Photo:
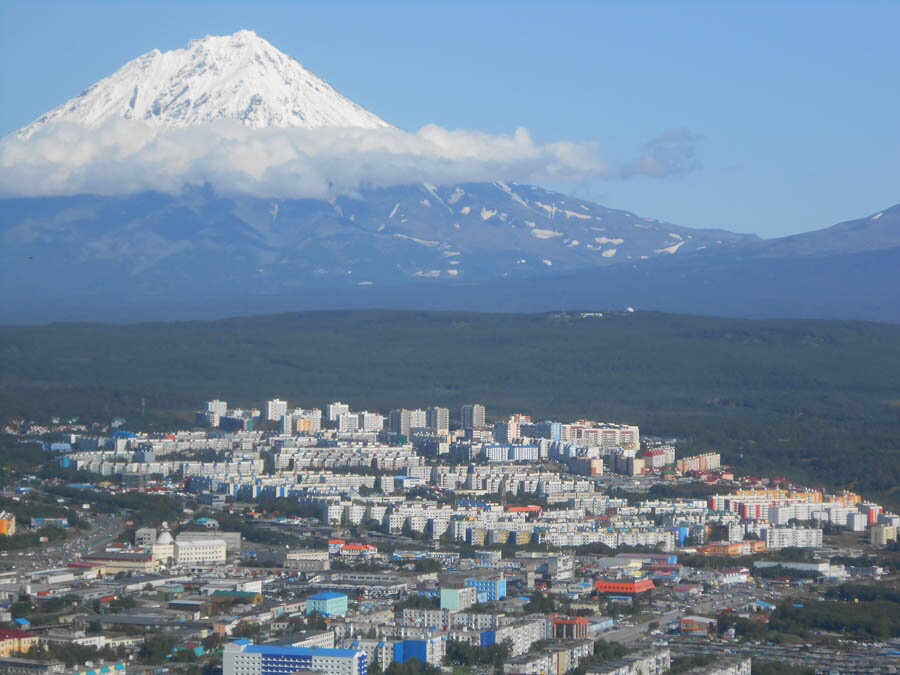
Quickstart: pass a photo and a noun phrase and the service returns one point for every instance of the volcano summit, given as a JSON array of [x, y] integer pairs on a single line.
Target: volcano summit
[[239, 77]]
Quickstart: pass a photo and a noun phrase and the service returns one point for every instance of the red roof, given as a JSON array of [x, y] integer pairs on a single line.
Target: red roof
[[13, 634]]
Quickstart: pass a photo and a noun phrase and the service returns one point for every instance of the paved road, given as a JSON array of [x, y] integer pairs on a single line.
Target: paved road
[[61, 553]]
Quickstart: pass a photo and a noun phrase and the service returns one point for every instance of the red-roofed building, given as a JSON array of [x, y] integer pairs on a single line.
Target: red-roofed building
[[358, 551], [80, 565], [13, 641], [687, 590], [630, 587]]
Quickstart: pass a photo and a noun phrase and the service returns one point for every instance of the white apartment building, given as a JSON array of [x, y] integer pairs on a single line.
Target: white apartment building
[[200, 552], [335, 410], [276, 409], [793, 537], [369, 421], [217, 407], [242, 657], [232, 539], [522, 634], [348, 422]]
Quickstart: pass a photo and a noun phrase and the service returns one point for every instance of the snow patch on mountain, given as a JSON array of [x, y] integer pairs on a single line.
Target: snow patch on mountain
[[423, 242], [539, 233], [458, 194], [549, 208], [670, 249]]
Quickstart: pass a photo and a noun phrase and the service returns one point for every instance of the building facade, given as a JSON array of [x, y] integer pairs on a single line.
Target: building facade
[[242, 657]]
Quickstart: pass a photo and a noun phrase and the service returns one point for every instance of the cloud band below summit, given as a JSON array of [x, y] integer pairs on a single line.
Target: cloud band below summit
[[124, 157]]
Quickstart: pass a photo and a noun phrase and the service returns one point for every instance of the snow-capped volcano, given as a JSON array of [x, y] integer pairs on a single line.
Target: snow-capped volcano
[[240, 77]]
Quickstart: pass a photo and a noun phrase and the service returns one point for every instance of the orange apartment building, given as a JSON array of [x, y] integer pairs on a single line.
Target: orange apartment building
[[623, 586], [7, 524]]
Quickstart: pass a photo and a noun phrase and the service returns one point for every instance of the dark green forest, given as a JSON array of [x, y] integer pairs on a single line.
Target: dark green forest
[[818, 401]]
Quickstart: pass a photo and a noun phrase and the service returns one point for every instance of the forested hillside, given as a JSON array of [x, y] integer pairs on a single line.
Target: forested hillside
[[816, 400]]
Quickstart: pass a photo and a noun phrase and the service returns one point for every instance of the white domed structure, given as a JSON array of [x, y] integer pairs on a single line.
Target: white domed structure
[[165, 538]]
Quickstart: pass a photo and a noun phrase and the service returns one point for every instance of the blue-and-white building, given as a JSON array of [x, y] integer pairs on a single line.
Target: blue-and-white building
[[242, 657], [490, 589]]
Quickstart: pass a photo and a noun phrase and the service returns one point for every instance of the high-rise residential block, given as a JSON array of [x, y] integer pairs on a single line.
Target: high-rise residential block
[[437, 419], [472, 416], [218, 407], [276, 409], [335, 410]]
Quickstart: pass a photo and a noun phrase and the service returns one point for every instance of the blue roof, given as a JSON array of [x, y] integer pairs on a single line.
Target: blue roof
[[327, 595], [300, 651]]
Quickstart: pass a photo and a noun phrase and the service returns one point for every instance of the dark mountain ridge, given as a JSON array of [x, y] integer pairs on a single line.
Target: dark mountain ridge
[[486, 246]]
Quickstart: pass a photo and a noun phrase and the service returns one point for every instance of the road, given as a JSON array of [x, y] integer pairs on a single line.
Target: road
[[61, 553]]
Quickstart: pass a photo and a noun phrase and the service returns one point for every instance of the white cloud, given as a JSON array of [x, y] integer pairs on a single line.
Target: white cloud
[[124, 156]]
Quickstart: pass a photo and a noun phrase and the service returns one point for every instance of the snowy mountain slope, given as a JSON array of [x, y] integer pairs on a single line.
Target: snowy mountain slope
[[468, 232], [241, 77]]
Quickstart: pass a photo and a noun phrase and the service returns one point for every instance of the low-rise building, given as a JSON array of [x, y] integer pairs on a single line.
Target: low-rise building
[[307, 560], [14, 641], [7, 524], [200, 552], [327, 604], [697, 625]]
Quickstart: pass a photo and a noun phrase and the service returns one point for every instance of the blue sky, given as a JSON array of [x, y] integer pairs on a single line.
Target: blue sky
[[796, 104]]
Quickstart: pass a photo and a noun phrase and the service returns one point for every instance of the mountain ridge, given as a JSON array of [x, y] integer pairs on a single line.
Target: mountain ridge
[[472, 231]]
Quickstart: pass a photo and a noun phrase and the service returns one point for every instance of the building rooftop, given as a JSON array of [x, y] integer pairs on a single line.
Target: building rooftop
[[300, 651], [13, 634], [326, 595]]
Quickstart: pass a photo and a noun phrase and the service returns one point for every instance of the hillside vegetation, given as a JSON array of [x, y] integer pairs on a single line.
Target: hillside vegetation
[[815, 400]]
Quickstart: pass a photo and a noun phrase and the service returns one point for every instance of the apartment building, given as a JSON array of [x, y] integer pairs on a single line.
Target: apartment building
[[242, 657], [793, 537]]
